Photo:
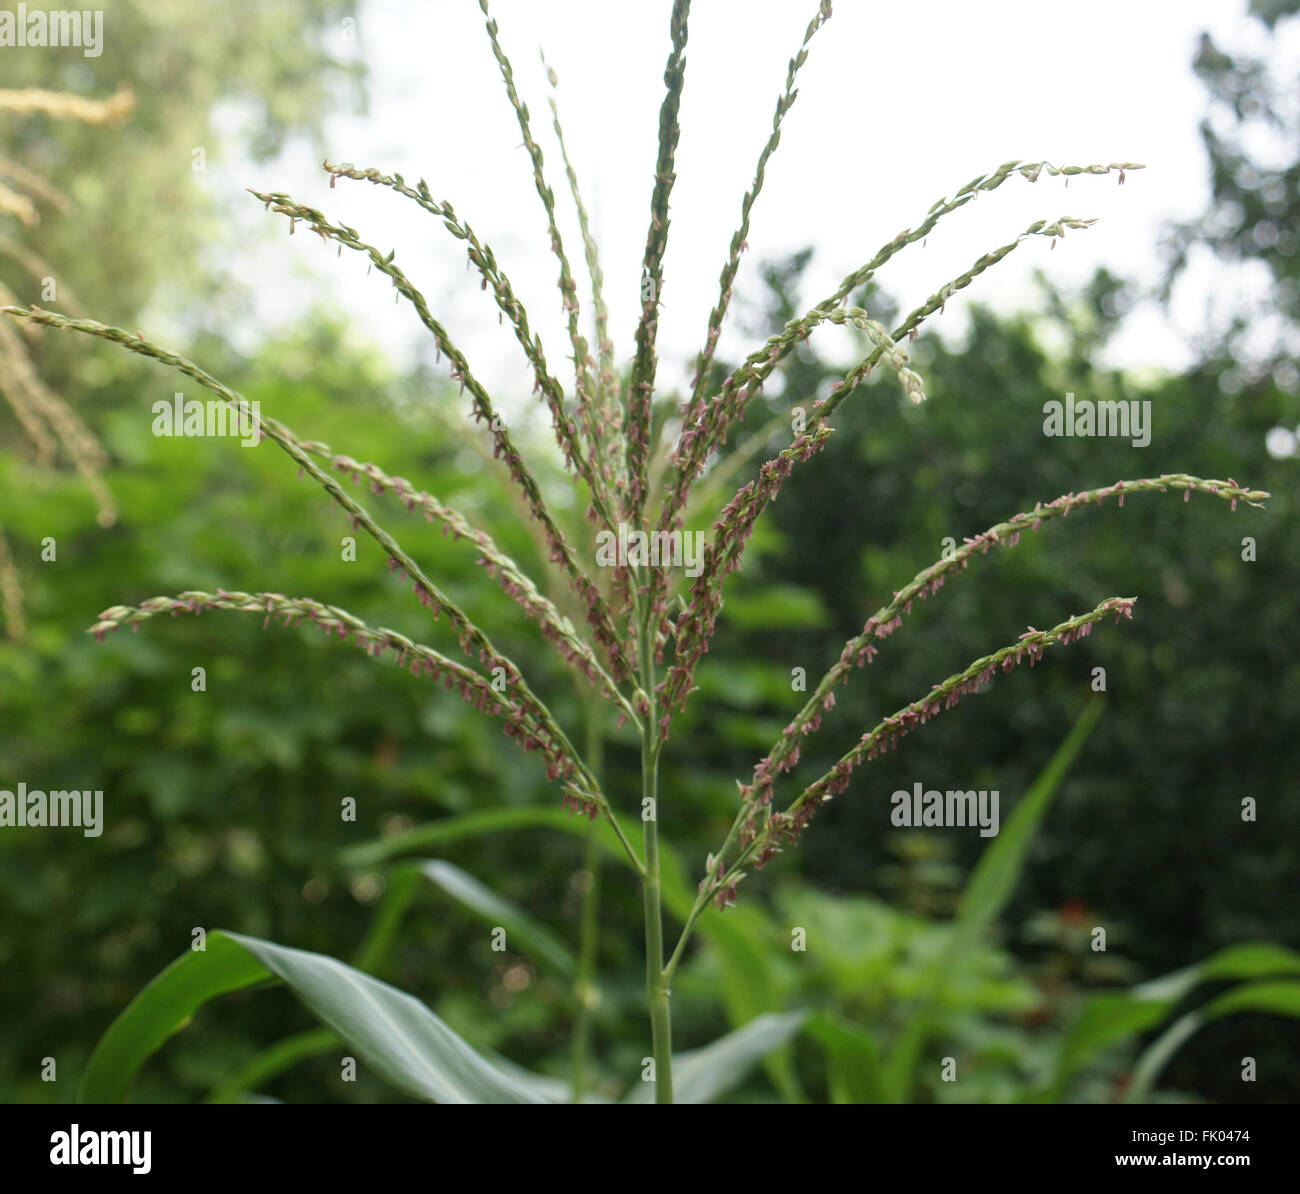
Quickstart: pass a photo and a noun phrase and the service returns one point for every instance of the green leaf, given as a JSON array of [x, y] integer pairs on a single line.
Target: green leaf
[[401, 884], [985, 896], [1000, 866], [1254, 959], [393, 1033], [1108, 1018], [272, 1062], [744, 957], [475, 824], [1277, 998], [701, 1075], [854, 1071], [739, 939], [1157, 1054], [776, 605], [549, 1090], [162, 1008], [528, 935], [1104, 1020]]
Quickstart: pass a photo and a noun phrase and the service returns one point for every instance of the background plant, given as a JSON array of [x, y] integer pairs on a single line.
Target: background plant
[[48, 423]]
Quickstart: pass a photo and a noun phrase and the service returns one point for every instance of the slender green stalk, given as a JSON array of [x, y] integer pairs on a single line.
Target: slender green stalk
[[714, 872], [635, 859], [656, 978], [585, 991]]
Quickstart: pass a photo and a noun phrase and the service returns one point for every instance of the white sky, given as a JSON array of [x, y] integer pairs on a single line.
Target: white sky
[[900, 104]]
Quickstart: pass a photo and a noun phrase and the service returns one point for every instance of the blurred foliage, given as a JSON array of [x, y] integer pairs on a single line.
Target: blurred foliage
[[1250, 135], [221, 78]]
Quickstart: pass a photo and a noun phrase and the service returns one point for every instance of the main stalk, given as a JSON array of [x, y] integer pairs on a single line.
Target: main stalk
[[656, 983]]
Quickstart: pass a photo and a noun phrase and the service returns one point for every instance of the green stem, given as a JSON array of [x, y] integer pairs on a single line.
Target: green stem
[[584, 988], [656, 980], [708, 886], [637, 865]]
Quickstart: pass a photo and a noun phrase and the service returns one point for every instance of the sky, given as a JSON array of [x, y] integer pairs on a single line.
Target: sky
[[899, 105]]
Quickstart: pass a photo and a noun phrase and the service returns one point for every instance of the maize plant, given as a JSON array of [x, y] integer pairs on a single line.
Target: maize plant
[[627, 607], [48, 423]]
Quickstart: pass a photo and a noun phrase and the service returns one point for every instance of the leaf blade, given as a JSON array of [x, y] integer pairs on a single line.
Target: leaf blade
[[395, 1034], [161, 1009], [701, 1075], [495, 910]]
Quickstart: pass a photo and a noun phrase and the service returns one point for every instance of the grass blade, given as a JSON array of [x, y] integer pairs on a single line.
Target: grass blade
[[524, 934], [162, 1008], [393, 1033], [702, 1075]]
